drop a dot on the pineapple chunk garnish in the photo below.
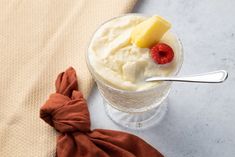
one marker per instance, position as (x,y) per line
(149,32)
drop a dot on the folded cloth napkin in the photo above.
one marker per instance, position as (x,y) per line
(66,111)
(38,39)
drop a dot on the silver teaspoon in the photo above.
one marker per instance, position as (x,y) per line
(210,77)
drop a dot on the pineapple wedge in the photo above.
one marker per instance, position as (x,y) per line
(149,32)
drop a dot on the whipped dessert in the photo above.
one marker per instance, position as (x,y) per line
(128,49)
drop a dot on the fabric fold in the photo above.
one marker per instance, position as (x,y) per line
(39,39)
(67,111)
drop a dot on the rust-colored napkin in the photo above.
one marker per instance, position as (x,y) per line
(66,111)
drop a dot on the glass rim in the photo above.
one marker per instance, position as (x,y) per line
(105,83)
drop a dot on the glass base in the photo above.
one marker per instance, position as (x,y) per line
(136,121)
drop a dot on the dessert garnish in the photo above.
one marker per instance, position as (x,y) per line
(120,51)
(162,53)
(149,32)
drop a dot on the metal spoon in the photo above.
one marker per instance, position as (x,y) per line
(210,77)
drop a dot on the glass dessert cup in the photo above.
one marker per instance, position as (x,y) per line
(135,109)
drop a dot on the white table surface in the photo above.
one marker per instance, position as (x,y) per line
(200,121)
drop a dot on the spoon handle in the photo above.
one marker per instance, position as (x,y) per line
(210,77)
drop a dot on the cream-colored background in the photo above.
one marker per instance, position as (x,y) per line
(38,40)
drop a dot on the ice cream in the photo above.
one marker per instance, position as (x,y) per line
(123,64)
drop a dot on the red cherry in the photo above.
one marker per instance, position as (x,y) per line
(162,53)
